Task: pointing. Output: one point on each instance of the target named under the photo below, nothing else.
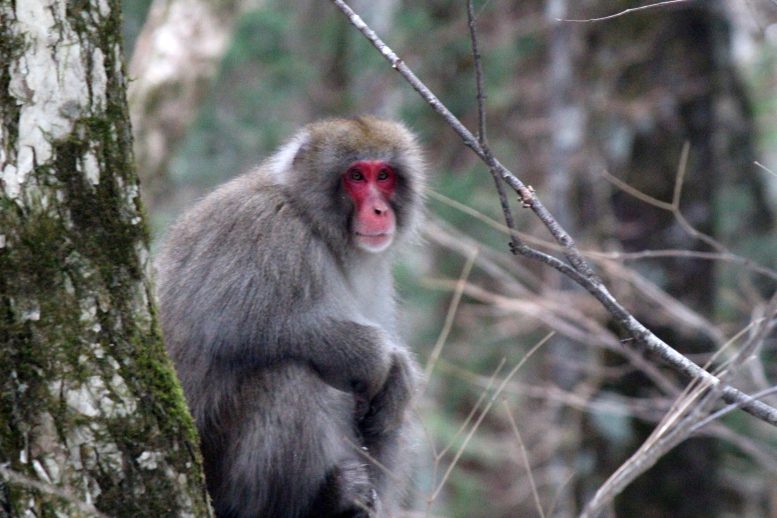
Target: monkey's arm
(237, 328)
(349, 356)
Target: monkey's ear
(289, 156)
(302, 152)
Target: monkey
(277, 307)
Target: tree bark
(93, 419)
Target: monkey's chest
(373, 297)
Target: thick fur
(284, 334)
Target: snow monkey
(278, 309)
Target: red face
(371, 184)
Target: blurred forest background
(600, 118)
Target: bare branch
(488, 406)
(759, 164)
(685, 418)
(599, 256)
(636, 193)
(478, 74)
(674, 208)
(579, 271)
(474, 410)
(729, 408)
(438, 456)
(460, 285)
(482, 138)
(525, 458)
(627, 11)
(727, 257)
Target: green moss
(36, 313)
(101, 224)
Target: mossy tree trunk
(92, 419)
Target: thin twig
(636, 193)
(482, 137)
(478, 74)
(525, 457)
(684, 419)
(501, 227)
(483, 414)
(597, 255)
(759, 164)
(473, 411)
(729, 408)
(674, 206)
(764, 327)
(626, 11)
(678, 214)
(579, 271)
(452, 307)
(669, 432)
(679, 180)
(559, 492)
(727, 257)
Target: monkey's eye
(383, 174)
(355, 175)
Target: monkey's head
(360, 181)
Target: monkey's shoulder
(249, 207)
(249, 223)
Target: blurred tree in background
(601, 118)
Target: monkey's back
(233, 266)
(229, 269)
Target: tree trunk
(92, 416)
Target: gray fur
(284, 334)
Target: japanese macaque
(277, 305)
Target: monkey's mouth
(374, 242)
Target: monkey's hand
(387, 409)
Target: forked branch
(576, 267)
